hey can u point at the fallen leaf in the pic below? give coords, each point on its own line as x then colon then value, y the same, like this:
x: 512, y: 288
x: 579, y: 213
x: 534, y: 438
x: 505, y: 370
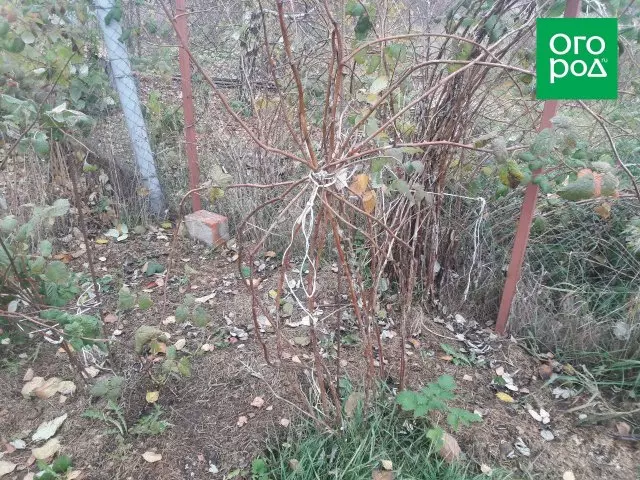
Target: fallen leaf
x: 67, y: 387
x: 73, y: 475
x: 49, y: 388
x: 381, y: 475
x: 568, y: 475
x: 545, y: 371
x: 6, y: 467
x: 467, y: 378
x: 270, y: 254
x: 18, y: 444
x: 49, y: 449
x: 117, y: 333
x: 29, y: 387
x: 353, y: 400
x: 258, y: 402
x: 537, y: 417
x: 207, y: 347
x: 152, y: 397
x: 285, y: 422
x: 92, y: 371
x: 295, y: 359
x: 302, y: 341
x: 505, y: 397
x: 360, y: 184
x: 603, y: 210
x: 242, y: 420
x: 623, y: 429
x: 547, y: 435
x: 46, y: 430
x: 180, y: 343
x: 369, y: 201
x: 450, y: 450
x: 110, y: 318
x: 387, y: 464
x: 102, y: 241
x: 28, y: 375
x: 522, y: 447
x: 8, y: 448
x: 500, y: 371
x: 151, y: 457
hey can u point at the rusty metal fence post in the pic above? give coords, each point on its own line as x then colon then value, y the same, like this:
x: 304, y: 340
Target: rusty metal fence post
x: 187, y: 104
x: 527, y: 211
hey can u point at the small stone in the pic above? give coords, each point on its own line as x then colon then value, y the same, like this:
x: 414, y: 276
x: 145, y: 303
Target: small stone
x: 285, y: 422
x: 258, y: 402
x: 387, y: 464
x: 467, y: 378
x: 62, y: 399
x: 168, y: 320
x: 486, y: 469
x: 568, y: 475
x: 295, y: 359
x: 28, y: 376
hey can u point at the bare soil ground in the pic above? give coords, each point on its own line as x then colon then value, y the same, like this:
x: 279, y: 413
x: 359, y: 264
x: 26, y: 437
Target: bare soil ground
x: 204, y: 409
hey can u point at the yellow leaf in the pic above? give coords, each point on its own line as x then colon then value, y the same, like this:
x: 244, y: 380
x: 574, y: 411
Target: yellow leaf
x: 102, y: 241
x: 152, y: 397
x: 166, y: 225
x: 369, y: 201
x: 603, y: 210
x: 504, y: 397
x: 273, y: 294
x: 360, y: 184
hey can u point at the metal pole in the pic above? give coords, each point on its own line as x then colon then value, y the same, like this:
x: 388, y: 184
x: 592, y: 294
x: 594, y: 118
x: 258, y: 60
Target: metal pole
x: 128, y: 93
x: 527, y: 211
x: 187, y: 104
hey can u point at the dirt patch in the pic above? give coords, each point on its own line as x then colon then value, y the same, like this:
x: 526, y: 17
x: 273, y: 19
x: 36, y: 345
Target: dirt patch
x: 204, y: 410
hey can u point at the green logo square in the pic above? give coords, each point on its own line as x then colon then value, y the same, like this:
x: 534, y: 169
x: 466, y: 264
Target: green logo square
x: 577, y: 58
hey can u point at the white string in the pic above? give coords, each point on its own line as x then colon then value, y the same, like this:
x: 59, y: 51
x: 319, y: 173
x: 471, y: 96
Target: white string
x: 306, y: 220
x: 476, y: 233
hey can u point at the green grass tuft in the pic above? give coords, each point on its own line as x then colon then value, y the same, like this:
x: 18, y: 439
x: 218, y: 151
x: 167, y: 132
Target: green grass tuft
x: 385, y: 433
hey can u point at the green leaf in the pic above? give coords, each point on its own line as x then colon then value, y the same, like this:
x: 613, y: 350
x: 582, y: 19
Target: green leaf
x: 57, y: 272
x: 8, y: 224
x: 379, y: 84
x: 61, y: 464
x: 436, y: 435
x: 407, y: 399
x: 182, y: 313
x: 245, y: 271
x: 109, y: 388
x: 459, y: 416
x: 354, y: 8
x: 16, y: 45
x: 153, y: 267
x: 395, y: 51
x: 184, y: 367
x: 45, y: 248
x: 126, y: 300
x: 28, y: 37
x: 363, y: 27
x: 145, y: 302
x: 200, y: 317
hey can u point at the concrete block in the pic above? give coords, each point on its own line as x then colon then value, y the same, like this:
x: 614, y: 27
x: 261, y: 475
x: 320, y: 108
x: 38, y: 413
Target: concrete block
x: 207, y: 227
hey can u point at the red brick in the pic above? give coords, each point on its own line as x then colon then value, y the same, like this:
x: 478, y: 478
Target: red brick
x: 207, y: 227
